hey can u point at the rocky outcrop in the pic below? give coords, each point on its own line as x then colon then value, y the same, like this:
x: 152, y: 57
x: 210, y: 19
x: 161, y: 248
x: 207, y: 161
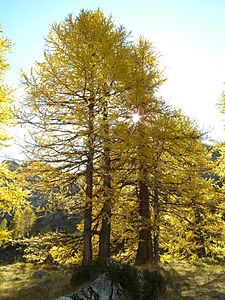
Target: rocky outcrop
x: 41, y: 273
x: 102, y: 288
x: 56, y: 220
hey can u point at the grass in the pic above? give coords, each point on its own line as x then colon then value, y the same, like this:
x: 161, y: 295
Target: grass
x: 17, y: 281
x: 203, y: 279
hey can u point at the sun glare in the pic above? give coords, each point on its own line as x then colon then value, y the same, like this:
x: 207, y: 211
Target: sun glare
x: 136, y: 118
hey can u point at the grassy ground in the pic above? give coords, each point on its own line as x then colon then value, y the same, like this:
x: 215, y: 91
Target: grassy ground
x: 18, y: 281
x: 200, y: 280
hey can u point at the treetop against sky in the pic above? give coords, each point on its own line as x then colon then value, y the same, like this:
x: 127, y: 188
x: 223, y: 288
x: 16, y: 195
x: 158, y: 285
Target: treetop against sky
x: 188, y: 35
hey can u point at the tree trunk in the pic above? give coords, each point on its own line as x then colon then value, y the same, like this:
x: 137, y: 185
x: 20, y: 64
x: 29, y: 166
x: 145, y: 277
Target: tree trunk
x: 201, y: 249
x: 87, y: 253
x: 145, y: 248
x: 156, y: 226
x: 199, y: 236
x: 104, y: 238
x: 144, y: 252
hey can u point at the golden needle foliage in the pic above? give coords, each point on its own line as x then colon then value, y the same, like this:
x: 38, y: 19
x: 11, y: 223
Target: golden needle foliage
x: 12, y: 192
x: 79, y: 105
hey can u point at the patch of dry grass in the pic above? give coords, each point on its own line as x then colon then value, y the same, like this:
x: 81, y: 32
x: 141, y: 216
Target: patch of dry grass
x: 199, y: 280
x: 17, y: 281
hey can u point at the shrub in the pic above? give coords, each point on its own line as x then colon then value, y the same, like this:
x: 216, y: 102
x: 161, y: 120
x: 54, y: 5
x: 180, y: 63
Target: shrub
x: 86, y: 273
x: 127, y: 276
x: 154, y: 285
x: 140, y: 285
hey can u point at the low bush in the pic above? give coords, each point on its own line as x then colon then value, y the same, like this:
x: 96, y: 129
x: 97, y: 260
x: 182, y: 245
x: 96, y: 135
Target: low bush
x: 139, y: 285
x: 88, y: 272
x: 154, y: 285
x: 127, y: 276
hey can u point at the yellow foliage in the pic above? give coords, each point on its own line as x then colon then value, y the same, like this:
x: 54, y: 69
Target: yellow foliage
x: 12, y: 192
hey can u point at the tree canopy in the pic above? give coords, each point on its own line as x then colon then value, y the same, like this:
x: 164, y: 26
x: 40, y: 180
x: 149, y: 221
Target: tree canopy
x: 96, y: 122
x: 12, y: 192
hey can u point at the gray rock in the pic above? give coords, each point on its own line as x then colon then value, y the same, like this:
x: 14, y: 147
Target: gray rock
x: 43, y: 281
x: 56, y: 220
x: 41, y: 273
x: 103, y: 288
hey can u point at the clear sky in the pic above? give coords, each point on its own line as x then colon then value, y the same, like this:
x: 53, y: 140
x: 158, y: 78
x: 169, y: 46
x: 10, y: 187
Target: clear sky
x: 189, y: 35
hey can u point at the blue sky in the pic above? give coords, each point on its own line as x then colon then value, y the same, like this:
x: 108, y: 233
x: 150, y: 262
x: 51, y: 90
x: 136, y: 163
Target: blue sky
x: 188, y: 35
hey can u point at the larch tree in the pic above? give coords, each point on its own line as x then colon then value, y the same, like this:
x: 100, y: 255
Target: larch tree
x: 12, y: 192
x: 185, y: 161
x: 68, y: 102
x: 147, y: 80
x: 140, y: 108
x: 182, y: 199
x: 175, y: 160
x: 96, y: 122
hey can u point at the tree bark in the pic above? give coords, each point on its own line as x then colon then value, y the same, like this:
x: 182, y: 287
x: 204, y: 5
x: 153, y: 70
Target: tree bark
x: 104, y: 237
x: 87, y: 253
x: 144, y: 252
x: 145, y: 247
x: 156, y: 226
x: 199, y: 236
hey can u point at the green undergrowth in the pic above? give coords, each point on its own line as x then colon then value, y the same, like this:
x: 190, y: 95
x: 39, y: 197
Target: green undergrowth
x: 139, y: 284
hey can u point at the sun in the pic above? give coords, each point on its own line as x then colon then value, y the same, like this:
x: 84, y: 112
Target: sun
x: 136, y: 118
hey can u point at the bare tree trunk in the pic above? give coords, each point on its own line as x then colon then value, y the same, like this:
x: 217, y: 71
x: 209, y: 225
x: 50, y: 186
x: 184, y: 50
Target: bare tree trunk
x: 144, y: 252
x: 87, y: 253
x: 104, y: 238
x: 156, y: 226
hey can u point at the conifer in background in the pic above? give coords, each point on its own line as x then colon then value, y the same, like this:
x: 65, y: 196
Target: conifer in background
x: 12, y: 192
